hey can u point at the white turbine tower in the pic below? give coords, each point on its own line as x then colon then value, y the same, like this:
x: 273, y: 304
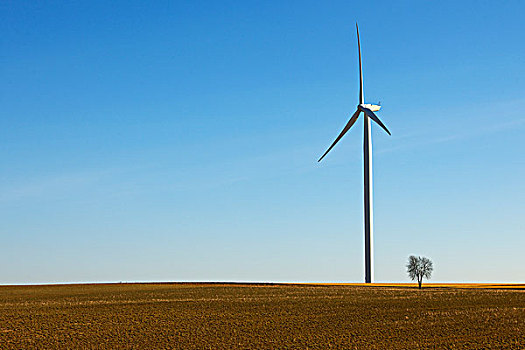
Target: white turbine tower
x: 368, y: 113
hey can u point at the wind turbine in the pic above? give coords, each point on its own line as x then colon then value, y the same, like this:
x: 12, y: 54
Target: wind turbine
x: 368, y: 113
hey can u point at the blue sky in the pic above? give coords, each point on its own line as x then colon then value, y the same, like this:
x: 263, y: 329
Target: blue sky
x: 179, y: 140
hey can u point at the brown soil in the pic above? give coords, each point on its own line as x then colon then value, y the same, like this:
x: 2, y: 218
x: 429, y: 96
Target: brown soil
x: 215, y: 316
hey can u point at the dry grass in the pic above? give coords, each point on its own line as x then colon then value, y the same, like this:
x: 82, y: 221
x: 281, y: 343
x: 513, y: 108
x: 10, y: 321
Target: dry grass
x: 516, y: 286
x: 215, y: 316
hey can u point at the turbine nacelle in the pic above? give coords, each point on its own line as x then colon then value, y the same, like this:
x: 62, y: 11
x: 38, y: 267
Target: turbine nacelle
x: 373, y: 108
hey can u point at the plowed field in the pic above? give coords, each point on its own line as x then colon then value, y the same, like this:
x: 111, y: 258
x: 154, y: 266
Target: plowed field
x: 215, y: 316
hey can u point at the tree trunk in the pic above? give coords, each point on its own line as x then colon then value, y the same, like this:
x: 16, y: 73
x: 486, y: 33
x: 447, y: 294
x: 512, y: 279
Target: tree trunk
x: 419, y: 281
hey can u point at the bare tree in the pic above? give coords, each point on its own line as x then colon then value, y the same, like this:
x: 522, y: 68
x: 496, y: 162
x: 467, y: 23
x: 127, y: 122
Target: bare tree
x: 419, y: 267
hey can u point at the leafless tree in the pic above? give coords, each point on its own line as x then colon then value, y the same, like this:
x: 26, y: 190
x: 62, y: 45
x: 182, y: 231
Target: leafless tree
x: 419, y: 267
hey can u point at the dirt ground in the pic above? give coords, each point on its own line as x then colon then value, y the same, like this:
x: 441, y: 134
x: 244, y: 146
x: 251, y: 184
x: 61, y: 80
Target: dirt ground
x: 214, y: 316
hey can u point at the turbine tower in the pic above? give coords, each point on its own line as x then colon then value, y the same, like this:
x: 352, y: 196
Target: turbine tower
x: 368, y: 113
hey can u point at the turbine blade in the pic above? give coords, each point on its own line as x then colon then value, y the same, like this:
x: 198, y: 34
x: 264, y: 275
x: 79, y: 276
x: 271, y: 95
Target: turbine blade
x: 374, y: 117
x: 361, y: 95
x: 346, y: 128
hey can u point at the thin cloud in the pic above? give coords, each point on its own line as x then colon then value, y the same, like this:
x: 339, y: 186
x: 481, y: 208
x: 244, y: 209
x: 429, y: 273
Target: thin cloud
x: 494, y: 128
x: 51, y: 186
